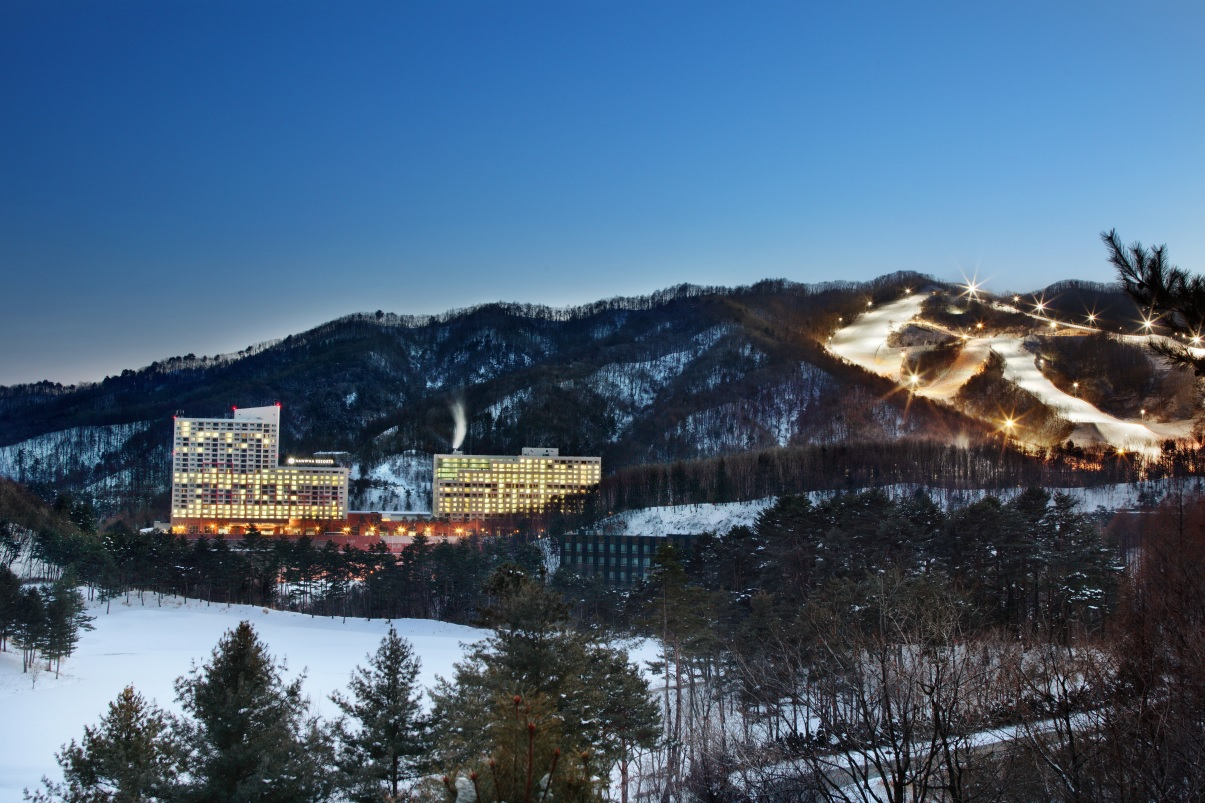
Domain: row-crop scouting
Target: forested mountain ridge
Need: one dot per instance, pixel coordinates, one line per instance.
(686, 373)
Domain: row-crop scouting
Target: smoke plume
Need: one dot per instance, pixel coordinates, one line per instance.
(461, 426)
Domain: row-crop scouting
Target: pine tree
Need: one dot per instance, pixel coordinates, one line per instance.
(525, 763)
(599, 701)
(250, 736)
(10, 595)
(129, 757)
(30, 629)
(65, 618)
(391, 732)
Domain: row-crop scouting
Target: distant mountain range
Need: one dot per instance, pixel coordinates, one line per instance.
(686, 373)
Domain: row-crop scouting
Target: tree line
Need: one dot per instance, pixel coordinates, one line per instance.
(430, 579)
(925, 464)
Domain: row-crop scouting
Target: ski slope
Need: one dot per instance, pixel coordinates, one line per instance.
(864, 343)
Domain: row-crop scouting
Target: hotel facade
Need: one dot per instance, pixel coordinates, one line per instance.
(226, 475)
(492, 487)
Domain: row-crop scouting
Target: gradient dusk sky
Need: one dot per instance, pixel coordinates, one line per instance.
(184, 176)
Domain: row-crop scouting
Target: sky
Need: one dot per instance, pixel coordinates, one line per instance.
(179, 176)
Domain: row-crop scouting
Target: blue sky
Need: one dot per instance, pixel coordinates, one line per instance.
(181, 176)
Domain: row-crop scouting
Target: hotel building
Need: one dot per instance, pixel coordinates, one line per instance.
(485, 487)
(226, 475)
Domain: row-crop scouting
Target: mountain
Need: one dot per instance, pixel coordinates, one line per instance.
(684, 374)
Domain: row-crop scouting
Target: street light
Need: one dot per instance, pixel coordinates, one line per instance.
(1075, 387)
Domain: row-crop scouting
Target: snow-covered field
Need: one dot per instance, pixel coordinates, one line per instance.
(150, 646)
(701, 518)
(864, 343)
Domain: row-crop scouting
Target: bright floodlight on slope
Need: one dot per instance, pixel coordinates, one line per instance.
(1040, 306)
(1148, 324)
(1196, 340)
(1091, 317)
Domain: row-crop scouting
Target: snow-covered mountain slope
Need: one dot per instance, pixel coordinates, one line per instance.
(58, 453)
(865, 343)
(402, 482)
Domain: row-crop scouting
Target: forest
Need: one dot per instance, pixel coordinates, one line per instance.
(854, 649)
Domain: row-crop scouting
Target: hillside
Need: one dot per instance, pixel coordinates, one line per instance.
(689, 372)
(686, 374)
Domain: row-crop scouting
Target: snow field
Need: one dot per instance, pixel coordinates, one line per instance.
(150, 646)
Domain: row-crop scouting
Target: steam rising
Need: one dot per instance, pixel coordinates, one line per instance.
(461, 427)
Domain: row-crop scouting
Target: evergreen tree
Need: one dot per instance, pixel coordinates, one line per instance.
(10, 544)
(390, 731)
(250, 735)
(30, 627)
(65, 618)
(10, 595)
(129, 757)
(525, 763)
(598, 699)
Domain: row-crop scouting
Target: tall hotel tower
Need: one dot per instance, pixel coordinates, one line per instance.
(226, 476)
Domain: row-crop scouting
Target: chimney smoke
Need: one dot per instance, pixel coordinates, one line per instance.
(461, 427)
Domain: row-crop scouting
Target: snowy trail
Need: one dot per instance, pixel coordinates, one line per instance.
(149, 647)
(864, 343)
(1021, 368)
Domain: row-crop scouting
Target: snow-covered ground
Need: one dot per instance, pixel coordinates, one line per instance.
(150, 646)
(864, 343)
(701, 518)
